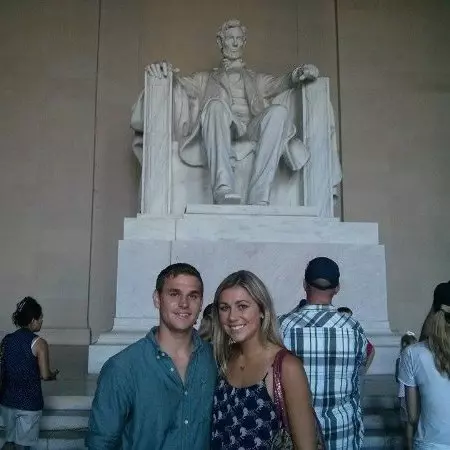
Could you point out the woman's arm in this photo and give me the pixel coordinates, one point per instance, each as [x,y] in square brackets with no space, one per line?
[40,349]
[406,375]
[412,404]
[298,404]
[413,409]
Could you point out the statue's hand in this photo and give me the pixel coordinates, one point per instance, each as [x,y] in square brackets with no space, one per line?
[306,72]
[161,69]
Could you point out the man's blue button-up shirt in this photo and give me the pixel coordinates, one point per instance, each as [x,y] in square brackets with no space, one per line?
[141,403]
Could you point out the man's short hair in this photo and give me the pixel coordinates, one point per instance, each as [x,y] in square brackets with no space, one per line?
[173,271]
[322,273]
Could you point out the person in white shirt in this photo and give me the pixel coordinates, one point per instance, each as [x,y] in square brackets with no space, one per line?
[424,369]
[408,431]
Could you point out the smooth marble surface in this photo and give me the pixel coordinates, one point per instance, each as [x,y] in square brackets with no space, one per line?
[274,229]
[246,225]
[253,210]
[140,261]
[275,242]
[149,227]
[281,266]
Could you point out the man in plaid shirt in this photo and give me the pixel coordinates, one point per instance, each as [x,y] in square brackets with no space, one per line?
[332,347]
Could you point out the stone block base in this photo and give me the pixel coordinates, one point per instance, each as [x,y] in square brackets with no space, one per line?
[276,245]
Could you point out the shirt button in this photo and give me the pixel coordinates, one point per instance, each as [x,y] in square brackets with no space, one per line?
[185,392]
[158,357]
[163,354]
[172,369]
[186,422]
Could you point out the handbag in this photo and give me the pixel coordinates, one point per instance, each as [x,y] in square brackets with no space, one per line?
[282,439]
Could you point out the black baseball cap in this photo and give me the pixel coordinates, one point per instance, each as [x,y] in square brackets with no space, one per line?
[441,296]
[322,273]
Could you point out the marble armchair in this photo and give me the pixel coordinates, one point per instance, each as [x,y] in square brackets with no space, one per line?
[168,184]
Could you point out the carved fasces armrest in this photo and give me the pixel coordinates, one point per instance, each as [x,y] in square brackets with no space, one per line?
[322,171]
[157,145]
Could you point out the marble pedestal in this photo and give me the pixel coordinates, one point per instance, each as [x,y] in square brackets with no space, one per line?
[274,242]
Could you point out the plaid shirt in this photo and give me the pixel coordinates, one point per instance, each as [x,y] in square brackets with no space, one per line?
[332,347]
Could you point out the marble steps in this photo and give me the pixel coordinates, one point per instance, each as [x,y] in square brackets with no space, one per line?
[64,423]
[374,440]
[58,440]
[65,418]
[65,428]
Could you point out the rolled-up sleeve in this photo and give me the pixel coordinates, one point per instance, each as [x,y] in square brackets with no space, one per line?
[406,368]
[110,408]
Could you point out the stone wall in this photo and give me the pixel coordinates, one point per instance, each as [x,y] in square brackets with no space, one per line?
[71,69]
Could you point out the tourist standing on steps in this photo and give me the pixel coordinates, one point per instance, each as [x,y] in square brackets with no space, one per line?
[24,361]
[333,348]
[157,393]
[424,369]
[407,339]
[205,330]
[246,346]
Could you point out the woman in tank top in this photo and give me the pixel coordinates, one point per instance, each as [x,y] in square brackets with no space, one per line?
[246,343]
[424,369]
[24,361]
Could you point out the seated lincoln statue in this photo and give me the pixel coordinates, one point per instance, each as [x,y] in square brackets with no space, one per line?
[233,111]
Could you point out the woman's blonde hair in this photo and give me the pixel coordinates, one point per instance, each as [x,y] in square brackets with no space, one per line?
[439,329]
[257,290]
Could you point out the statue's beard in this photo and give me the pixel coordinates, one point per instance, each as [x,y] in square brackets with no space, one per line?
[232,54]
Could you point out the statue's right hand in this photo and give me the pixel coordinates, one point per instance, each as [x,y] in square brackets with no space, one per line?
[160,69]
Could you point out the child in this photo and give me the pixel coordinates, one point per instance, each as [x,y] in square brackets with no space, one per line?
[407,339]
[25,360]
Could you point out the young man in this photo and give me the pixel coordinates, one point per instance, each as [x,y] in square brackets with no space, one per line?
[157,393]
[332,347]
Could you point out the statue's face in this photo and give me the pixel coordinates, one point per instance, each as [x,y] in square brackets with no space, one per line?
[233,43]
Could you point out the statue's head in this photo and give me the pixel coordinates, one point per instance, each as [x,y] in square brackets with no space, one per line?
[231,39]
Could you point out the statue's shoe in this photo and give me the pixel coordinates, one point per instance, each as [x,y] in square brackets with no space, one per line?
[227,198]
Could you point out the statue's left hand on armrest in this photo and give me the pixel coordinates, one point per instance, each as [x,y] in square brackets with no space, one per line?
[305,72]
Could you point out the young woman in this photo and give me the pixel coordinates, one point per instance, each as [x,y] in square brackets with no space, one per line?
[424,369]
[246,344]
[25,360]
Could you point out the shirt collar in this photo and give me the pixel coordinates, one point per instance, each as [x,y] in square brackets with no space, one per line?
[151,336]
[309,306]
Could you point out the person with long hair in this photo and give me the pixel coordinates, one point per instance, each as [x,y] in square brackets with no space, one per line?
[424,369]
[246,344]
[24,362]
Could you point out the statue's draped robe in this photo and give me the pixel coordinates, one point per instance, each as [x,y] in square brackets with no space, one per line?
[192,93]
